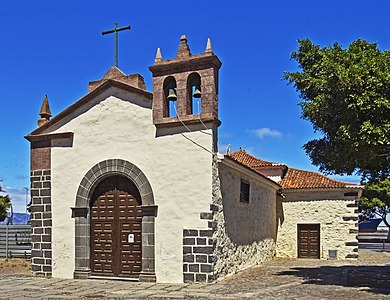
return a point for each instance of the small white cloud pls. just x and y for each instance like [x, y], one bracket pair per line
[264, 132]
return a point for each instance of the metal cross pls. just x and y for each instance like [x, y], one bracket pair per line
[115, 31]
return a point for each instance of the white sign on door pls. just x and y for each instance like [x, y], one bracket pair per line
[130, 238]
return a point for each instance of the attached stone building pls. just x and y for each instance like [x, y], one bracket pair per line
[129, 184]
[317, 216]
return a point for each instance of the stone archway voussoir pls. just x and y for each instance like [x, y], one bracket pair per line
[80, 213]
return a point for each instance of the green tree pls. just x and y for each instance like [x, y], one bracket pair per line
[5, 204]
[376, 200]
[346, 96]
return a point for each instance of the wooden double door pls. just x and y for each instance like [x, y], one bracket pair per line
[116, 222]
[308, 240]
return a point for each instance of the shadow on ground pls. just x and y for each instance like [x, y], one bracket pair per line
[375, 278]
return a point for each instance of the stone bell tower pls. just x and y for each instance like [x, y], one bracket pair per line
[185, 88]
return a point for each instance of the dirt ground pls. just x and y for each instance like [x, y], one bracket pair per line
[374, 256]
[15, 266]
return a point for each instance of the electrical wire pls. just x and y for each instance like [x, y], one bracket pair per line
[189, 130]
[177, 115]
[201, 121]
[197, 144]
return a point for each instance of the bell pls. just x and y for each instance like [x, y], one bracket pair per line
[197, 93]
[172, 95]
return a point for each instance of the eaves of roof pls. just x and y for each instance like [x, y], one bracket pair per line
[254, 172]
[292, 179]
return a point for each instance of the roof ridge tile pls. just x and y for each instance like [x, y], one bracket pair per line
[293, 178]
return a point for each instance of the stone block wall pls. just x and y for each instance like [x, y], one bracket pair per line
[198, 258]
[245, 233]
[198, 250]
[352, 243]
[41, 223]
[335, 212]
[238, 236]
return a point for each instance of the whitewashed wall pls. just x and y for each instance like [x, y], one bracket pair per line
[246, 232]
[118, 125]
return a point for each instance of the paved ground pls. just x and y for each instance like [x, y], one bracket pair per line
[309, 279]
[368, 278]
[375, 246]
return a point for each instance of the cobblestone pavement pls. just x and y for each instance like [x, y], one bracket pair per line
[310, 279]
[277, 279]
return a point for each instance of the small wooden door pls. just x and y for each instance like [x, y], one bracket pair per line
[116, 219]
[308, 240]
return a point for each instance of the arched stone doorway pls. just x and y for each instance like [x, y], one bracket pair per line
[116, 235]
[88, 189]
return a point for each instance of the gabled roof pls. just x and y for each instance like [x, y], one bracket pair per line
[270, 181]
[89, 97]
[291, 178]
[251, 161]
[300, 179]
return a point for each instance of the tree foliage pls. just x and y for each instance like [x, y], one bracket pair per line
[5, 204]
[346, 96]
[376, 200]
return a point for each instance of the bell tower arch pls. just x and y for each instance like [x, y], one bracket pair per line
[185, 88]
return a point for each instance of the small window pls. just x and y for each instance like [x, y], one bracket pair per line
[244, 191]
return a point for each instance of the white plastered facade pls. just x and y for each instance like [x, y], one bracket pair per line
[118, 125]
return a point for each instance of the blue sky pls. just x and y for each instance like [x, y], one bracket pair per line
[55, 48]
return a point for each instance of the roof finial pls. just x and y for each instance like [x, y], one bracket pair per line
[209, 48]
[184, 50]
[228, 149]
[44, 112]
[158, 56]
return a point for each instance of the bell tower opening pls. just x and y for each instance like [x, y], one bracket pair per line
[194, 89]
[185, 88]
[170, 97]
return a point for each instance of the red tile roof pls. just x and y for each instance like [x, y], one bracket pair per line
[291, 178]
[249, 160]
[253, 169]
[300, 179]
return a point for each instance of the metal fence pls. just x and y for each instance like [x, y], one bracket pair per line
[15, 241]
